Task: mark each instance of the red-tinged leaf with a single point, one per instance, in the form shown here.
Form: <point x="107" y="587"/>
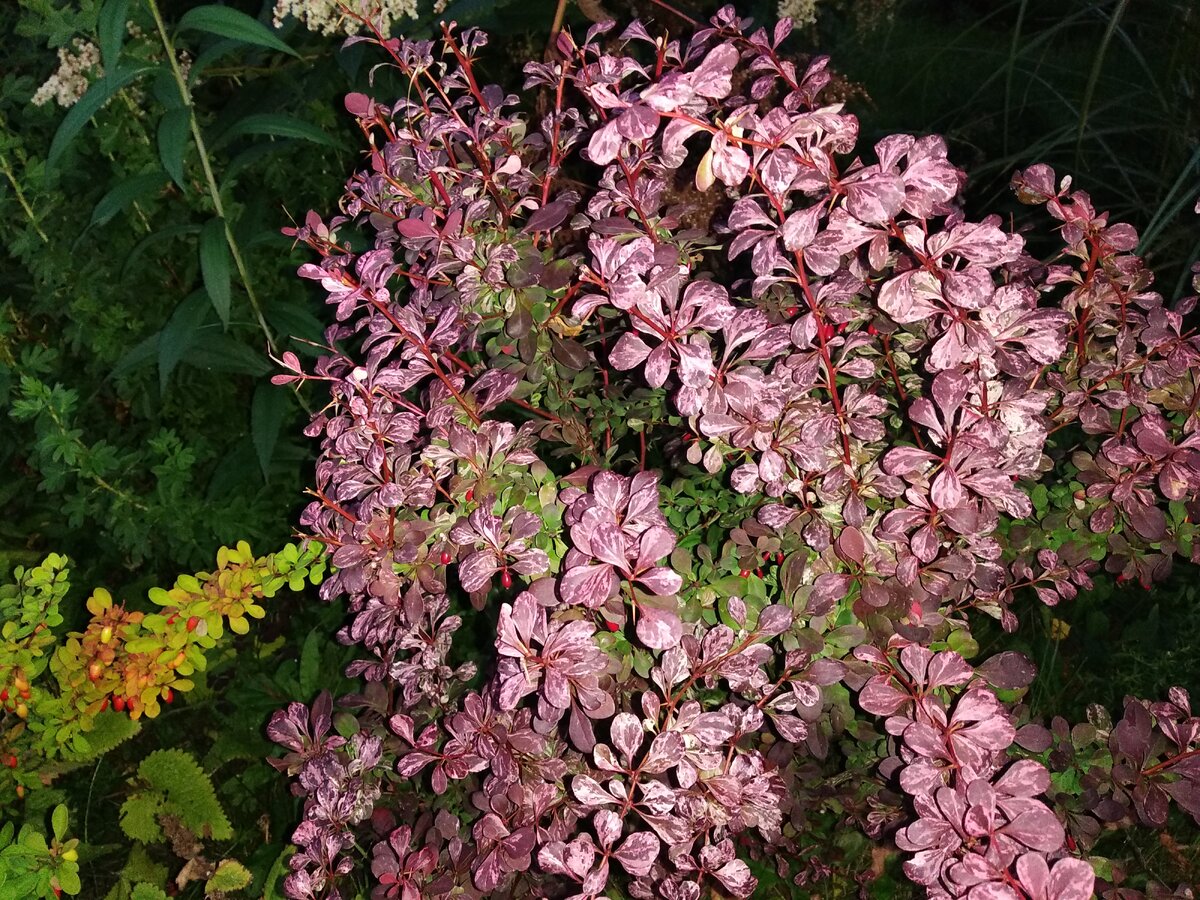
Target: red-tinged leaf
<point x="666" y="750"/>
<point x="658" y="629"/>
<point x="1009" y="670"/>
<point x="588" y="586"/>
<point x="638" y="852"/>
<point x="1024" y="778"/>
<point x="876" y="198"/>
<point x="1037" y="828"/>
<point x="774" y="620"/>
<point x="630" y="351"/>
<point x="627" y="735"/>
<point x="850" y="545"/>
<point x="588" y="791"/>
<point x="879" y="697"/>
<point x="608" y="828"/>
<point x="736" y="878"/>
<point x="415" y="228"/>
<point x="791" y="728"/>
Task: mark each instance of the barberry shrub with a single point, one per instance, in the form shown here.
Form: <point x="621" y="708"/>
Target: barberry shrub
<point x="732" y="429"/>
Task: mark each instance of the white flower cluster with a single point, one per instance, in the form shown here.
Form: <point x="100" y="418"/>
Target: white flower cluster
<point x="326" y="16"/>
<point x="70" y="82"/>
<point x="801" y="12"/>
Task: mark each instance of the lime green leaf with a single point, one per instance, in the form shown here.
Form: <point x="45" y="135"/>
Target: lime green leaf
<point x="81" y="113"/>
<point x="230" y="23"/>
<point x="125" y="193"/>
<point x="58" y="821"/>
<point x="173" y="130"/>
<point x="267" y="412"/>
<point x="214" y="265"/>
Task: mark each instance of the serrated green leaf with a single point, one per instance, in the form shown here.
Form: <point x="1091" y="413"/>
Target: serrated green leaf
<point x="100" y="92"/>
<point x="110" y="29"/>
<point x="214" y="266"/>
<point x="125" y="193"/>
<point x="139" y="817"/>
<point x="268" y="409"/>
<point x="231" y="875"/>
<point x="230" y="23"/>
<point x="174" y="129"/>
<point x="276" y="125"/>
<point x="180" y="334"/>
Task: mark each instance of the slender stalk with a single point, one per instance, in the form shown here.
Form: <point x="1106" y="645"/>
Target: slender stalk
<point x="206" y="163"/>
<point x="20" y="194"/>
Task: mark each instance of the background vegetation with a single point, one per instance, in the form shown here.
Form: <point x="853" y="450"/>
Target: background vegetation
<point x="144" y="280"/>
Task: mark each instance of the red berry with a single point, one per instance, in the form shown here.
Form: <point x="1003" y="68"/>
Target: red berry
<point x="24" y="693"/>
<point x="104" y="704"/>
<point x="1122" y="578"/>
<point x="872" y="330"/>
<point x="779" y="557"/>
<point x="506" y="578"/>
<point x="470" y="494"/>
<point x="169" y="695"/>
<point x="11" y="761"/>
<point x="766" y="556"/>
<point x="445" y="557"/>
<point x="758" y="572"/>
<point x="792" y="310"/>
<point x="745" y="573"/>
<point x="119" y="704"/>
<point x="3" y="695"/>
<point x="193" y="622"/>
<point x="612" y="626"/>
<point x="841" y="329"/>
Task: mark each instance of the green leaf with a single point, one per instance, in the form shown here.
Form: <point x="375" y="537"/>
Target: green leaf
<point x="110" y="29"/>
<point x="68" y="879"/>
<point x="267" y="412"/>
<point x="153" y="239"/>
<point x="230" y="23"/>
<point x="81" y="113"/>
<point x="214" y="265"/>
<point x="125" y="193"/>
<point x="310" y="664"/>
<point x="222" y="353"/>
<point x="173" y="131"/>
<point x="276" y="125"/>
<point x="58" y="821"/>
<point x="231" y="875"/>
<point x="179" y="334"/>
<point x="139" y="817"/>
